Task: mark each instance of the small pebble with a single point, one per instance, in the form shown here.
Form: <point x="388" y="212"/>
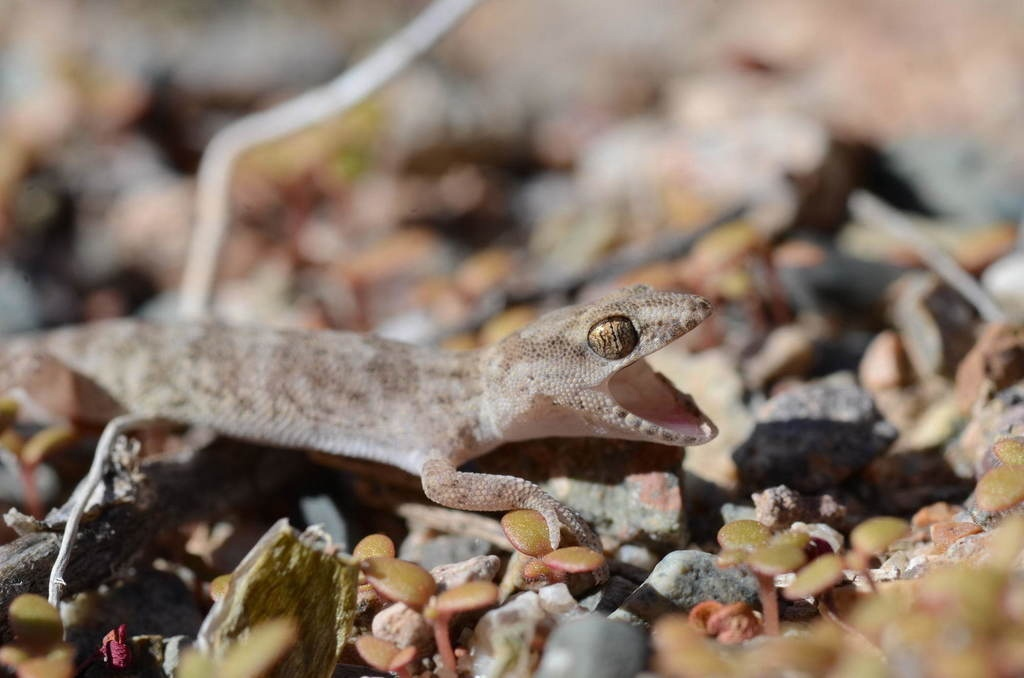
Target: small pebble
<point x="593" y="647"/>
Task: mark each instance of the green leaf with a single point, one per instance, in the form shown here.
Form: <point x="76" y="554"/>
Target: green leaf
<point x="195" y="664"/>
<point x="257" y="652"/>
<point x="8" y="412"/>
<point x="1000" y="489"/>
<point x="527" y="531"/>
<point x="817" y="576"/>
<point x="47" y="667"/>
<point x="1010" y="450"/>
<point x="34" y="621"/>
<point x="574" y="559"/>
<point x="376" y="652"/>
<point x="469" y="596"/>
<point x="875" y="535"/>
<point x="743" y="534"/>
<point x="219" y="586"/>
<point x="791" y="538"/>
<point x="777" y="559"/>
<point x="45" y="443"/>
<point x="374" y="546"/>
<point x="399" y="580"/>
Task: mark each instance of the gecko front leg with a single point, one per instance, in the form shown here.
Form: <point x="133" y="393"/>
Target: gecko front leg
<point x="445" y="485"/>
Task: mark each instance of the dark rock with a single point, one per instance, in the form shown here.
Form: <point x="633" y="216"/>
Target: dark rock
<point x="593" y="647"/>
<point x="936" y="324"/>
<point x="902" y="482"/>
<point x="833" y="281"/>
<point x="682" y="580"/>
<point x="323" y="510"/>
<point x="150" y="603"/>
<point x="813" y="437"/>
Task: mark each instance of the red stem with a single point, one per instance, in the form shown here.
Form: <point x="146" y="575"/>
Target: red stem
<point x="444" y="641"/>
<point x="769" y="604"/>
<point x="33" y="504"/>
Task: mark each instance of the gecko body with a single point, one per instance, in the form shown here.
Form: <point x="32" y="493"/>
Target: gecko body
<point x="577" y="371"/>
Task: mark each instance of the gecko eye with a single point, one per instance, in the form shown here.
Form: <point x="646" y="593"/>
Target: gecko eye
<point x="613" y="338"/>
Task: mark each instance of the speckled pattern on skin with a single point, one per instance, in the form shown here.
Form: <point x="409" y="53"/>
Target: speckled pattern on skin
<point x="421" y="409"/>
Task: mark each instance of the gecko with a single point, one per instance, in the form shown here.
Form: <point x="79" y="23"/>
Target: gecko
<point x="575" y="371"/>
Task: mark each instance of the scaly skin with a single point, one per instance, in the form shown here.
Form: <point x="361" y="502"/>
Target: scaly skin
<point x="424" y="410"/>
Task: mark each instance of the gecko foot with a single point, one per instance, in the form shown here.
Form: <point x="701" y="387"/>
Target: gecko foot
<point x="556" y="514"/>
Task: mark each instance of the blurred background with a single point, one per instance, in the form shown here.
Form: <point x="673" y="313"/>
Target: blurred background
<point x="538" y="139"/>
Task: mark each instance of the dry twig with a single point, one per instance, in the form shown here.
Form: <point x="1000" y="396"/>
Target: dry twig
<point x="347" y="90"/>
<point x="872" y="212"/>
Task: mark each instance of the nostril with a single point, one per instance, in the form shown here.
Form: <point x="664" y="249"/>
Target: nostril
<point x="703" y="306"/>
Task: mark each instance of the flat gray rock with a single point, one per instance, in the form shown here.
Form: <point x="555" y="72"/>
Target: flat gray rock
<point x="682" y="580"/>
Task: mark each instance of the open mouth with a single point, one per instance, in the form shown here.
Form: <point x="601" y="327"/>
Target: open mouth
<point x="666" y="412"/>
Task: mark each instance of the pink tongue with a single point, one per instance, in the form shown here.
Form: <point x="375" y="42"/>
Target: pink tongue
<point x="651" y="396"/>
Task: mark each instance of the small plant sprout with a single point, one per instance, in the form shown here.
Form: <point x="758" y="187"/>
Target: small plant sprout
<point x="527" y="531"/>
<point x="385" y="656"/>
<point x="766" y="563"/>
<point x="114" y="651"/>
<point x="32" y="453"/>
<point x="251" y="656"/>
<point x="733" y="623"/>
<point x="701" y="612"/>
<point x="399" y="580"/>
<point x="751" y="543"/>
<point x="371" y="546"/>
<point x="38" y="650"/>
<point x="817" y="578"/>
<point x="871" y="538"/>
<point x="474" y="595"/>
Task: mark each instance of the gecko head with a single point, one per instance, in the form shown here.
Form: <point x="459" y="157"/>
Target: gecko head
<point x="579" y="371"/>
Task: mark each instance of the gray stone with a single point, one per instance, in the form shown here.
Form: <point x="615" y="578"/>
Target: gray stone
<point x="629" y="491"/>
<point x="443" y="550"/>
<point x="682" y="580"/>
<point x="593" y="647"/>
<point x="959" y="176"/>
<point x="1004" y="280"/>
<point x="18" y="302"/>
<point x="813" y="437"/>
